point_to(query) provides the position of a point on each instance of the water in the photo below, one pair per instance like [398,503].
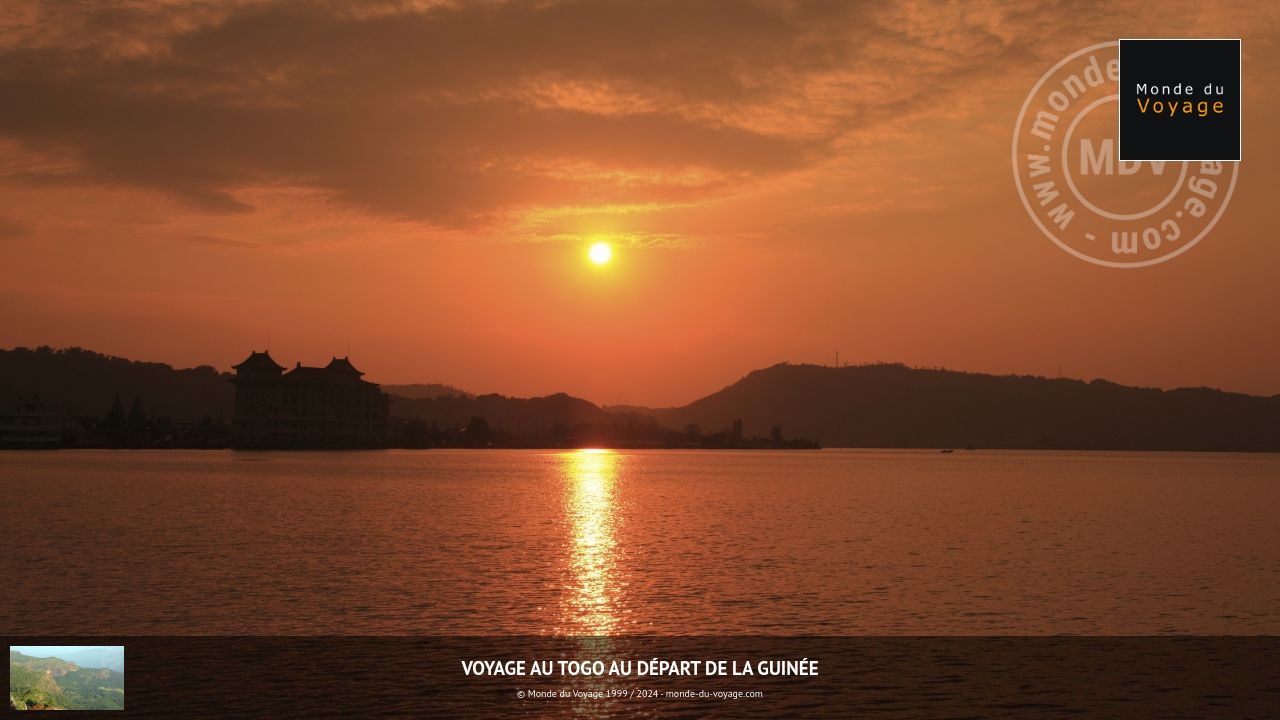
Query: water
[683,542]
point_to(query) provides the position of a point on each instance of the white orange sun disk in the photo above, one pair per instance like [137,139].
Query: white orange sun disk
[600,253]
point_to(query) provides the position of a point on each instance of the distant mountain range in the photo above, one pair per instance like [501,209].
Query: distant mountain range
[424,391]
[517,415]
[883,405]
[59,684]
[889,405]
[110,657]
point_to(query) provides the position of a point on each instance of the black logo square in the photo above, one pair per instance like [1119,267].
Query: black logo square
[1179,99]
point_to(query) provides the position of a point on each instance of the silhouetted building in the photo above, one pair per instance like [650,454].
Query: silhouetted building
[30,423]
[330,406]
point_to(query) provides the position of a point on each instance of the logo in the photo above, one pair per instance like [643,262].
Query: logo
[1180,100]
[1104,210]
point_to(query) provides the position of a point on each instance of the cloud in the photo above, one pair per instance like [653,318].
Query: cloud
[667,241]
[457,114]
[448,114]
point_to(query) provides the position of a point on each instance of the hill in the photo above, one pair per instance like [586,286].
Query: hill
[83,382]
[424,391]
[892,405]
[522,416]
[57,684]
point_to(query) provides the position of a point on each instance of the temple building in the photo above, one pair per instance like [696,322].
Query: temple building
[330,406]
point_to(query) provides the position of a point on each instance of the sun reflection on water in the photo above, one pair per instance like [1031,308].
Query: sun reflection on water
[591,604]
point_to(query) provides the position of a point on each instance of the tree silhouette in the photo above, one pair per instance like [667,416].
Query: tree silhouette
[477,432]
[137,421]
[113,427]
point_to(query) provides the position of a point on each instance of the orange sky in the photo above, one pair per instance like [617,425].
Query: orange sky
[421,180]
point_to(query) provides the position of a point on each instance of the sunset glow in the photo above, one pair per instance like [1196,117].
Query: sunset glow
[195,178]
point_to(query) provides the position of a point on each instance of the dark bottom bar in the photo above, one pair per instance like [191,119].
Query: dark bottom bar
[990,677]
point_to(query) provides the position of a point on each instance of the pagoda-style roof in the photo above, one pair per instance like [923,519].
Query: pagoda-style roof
[342,364]
[259,361]
[339,371]
[323,376]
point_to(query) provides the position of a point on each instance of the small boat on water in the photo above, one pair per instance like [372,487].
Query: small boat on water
[947,450]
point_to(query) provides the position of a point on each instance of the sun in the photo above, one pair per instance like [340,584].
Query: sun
[600,253]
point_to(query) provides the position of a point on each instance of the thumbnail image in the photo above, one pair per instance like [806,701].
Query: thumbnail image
[66,677]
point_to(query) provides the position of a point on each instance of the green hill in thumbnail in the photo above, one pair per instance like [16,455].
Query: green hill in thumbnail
[56,684]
